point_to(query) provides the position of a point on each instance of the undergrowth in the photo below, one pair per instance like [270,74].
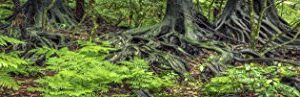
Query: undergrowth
[263,81]
[9,62]
[85,72]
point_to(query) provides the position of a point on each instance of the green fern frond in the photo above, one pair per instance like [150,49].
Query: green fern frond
[10,61]
[4,41]
[96,49]
[90,47]
[136,63]
[8,82]
[45,51]
[86,72]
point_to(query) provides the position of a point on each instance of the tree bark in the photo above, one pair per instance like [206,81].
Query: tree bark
[20,18]
[17,5]
[41,14]
[235,23]
[182,32]
[180,24]
[36,11]
[79,9]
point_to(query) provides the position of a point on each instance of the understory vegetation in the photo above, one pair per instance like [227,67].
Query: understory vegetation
[252,78]
[84,72]
[149,48]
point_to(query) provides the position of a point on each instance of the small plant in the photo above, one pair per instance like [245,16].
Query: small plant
[263,81]
[5,9]
[9,62]
[85,72]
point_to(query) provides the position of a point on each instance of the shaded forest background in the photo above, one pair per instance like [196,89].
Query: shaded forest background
[150,48]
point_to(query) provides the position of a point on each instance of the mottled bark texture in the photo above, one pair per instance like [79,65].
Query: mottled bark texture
[181,33]
[36,14]
[180,26]
[50,11]
[79,11]
[234,23]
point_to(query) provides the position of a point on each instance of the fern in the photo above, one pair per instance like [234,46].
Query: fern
[43,51]
[137,75]
[8,62]
[4,11]
[85,72]
[8,82]
[93,48]
[4,41]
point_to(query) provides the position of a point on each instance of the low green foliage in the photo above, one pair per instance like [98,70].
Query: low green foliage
[5,9]
[290,14]
[9,62]
[85,72]
[263,81]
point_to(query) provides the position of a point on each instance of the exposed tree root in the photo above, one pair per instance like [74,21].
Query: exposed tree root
[38,13]
[293,81]
[166,45]
[33,20]
[177,38]
[37,38]
[273,31]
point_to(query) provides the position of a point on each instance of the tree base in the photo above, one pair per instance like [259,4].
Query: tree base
[168,45]
[40,13]
[273,30]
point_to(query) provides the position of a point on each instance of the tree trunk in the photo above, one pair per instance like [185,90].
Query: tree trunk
[181,33]
[79,9]
[17,5]
[234,23]
[20,18]
[40,12]
[180,25]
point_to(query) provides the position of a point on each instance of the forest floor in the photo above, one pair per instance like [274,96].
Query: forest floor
[27,82]
[185,90]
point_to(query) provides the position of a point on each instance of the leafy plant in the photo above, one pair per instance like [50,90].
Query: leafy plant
[263,81]
[288,11]
[85,72]
[5,9]
[9,62]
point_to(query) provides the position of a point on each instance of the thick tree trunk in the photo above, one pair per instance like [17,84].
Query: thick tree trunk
[181,33]
[180,26]
[235,23]
[181,17]
[79,9]
[39,12]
